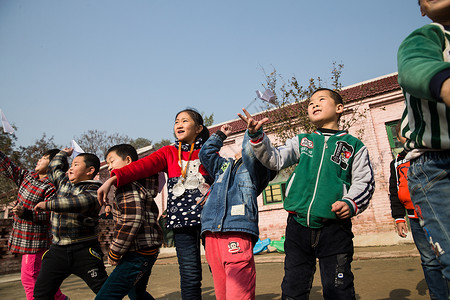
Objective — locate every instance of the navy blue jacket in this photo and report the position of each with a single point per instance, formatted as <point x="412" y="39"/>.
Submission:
<point x="232" y="202"/>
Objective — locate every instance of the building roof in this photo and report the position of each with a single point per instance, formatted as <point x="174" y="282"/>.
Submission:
<point x="358" y="91"/>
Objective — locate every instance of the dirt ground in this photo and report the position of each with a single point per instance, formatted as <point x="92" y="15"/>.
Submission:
<point x="398" y="278"/>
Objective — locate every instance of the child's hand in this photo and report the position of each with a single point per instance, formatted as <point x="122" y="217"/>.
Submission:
<point x="402" y="229"/>
<point x="226" y="129"/>
<point x="102" y="192"/>
<point x="18" y="210"/>
<point x="341" y="209"/>
<point x="112" y="262"/>
<point x="252" y="124"/>
<point x="69" y="151"/>
<point x="40" y="206"/>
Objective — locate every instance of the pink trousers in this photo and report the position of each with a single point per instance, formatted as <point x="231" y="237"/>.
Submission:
<point x="230" y="257"/>
<point x="31" y="264"/>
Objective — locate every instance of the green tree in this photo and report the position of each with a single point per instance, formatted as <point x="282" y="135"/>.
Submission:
<point x="208" y="120"/>
<point x="140" y="143"/>
<point x="162" y="143"/>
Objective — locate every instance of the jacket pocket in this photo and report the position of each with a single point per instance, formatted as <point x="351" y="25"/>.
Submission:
<point x="249" y="200"/>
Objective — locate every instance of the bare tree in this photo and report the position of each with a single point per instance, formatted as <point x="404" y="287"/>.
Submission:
<point x="289" y="115"/>
<point x="30" y="155"/>
<point x="98" y="141"/>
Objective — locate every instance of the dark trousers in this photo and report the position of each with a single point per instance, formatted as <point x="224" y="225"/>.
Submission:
<point x="84" y="260"/>
<point x="332" y="245"/>
<point x="130" y="277"/>
<point x="187" y="243"/>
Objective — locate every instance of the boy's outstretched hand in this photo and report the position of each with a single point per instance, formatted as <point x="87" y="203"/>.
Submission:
<point x="226" y="129"/>
<point x="341" y="209"/>
<point x="252" y="124"/>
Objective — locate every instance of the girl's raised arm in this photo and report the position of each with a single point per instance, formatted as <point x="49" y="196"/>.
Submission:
<point x="102" y="192"/>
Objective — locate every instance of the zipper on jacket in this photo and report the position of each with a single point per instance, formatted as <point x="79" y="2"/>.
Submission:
<point x="317" y="182"/>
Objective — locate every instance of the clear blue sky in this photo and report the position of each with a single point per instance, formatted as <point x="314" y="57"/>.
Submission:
<point x="127" y="67"/>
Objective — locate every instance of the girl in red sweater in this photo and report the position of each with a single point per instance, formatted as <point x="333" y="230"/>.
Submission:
<point x="187" y="182"/>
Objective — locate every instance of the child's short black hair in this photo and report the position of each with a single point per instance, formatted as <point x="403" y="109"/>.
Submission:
<point x="124" y="150"/>
<point x="198" y="120"/>
<point x="91" y="160"/>
<point x="335" y="95"/>
<point x="51" y="153"/>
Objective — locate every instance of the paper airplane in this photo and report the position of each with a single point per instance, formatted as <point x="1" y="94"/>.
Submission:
<point x="76" y="149"/>
<point x="7" y="128"/>
<point x="268" y="96"/>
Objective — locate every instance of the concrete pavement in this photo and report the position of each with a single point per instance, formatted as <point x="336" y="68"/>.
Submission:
<point x="388" y="272"/>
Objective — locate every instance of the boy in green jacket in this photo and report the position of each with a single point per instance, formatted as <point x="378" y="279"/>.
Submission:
<point x="332" y="182"/>
<point x="424" y="74"/>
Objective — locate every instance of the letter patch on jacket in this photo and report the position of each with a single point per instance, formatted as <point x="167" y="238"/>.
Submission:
<point x="307" y="147"/>
<point x="306" y="143"/>
<point x="342" y="154"/>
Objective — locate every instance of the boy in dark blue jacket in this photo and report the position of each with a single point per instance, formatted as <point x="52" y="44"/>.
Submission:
<point x="230" y="216"/>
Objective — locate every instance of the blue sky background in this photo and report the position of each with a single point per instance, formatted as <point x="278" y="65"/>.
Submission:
<point x="128" y="67"/>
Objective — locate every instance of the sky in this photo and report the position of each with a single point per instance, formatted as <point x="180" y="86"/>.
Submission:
<point x="128" y="67"/>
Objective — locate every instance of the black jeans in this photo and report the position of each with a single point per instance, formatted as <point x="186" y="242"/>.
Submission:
<point x="187" y="243"/>
<point x="332" y="245"/>
<point x="83" y="259"/>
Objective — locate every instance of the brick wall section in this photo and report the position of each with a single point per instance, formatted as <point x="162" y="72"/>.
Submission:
<point x="380" y="110"/>
<point x="9" y="262"/>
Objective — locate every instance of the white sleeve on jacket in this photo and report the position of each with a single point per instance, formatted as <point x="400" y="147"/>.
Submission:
<point x="363" y="182"/>
<point x="276" y="158"/>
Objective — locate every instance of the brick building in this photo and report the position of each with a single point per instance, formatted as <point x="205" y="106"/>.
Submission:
<point x="382" y="103"/>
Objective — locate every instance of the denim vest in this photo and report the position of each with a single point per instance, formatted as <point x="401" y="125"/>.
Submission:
<point x="232" y="202"/>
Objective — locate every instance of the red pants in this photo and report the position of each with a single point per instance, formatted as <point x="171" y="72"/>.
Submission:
<point x="31" y="265"/>
<point x="230" y="257"/>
